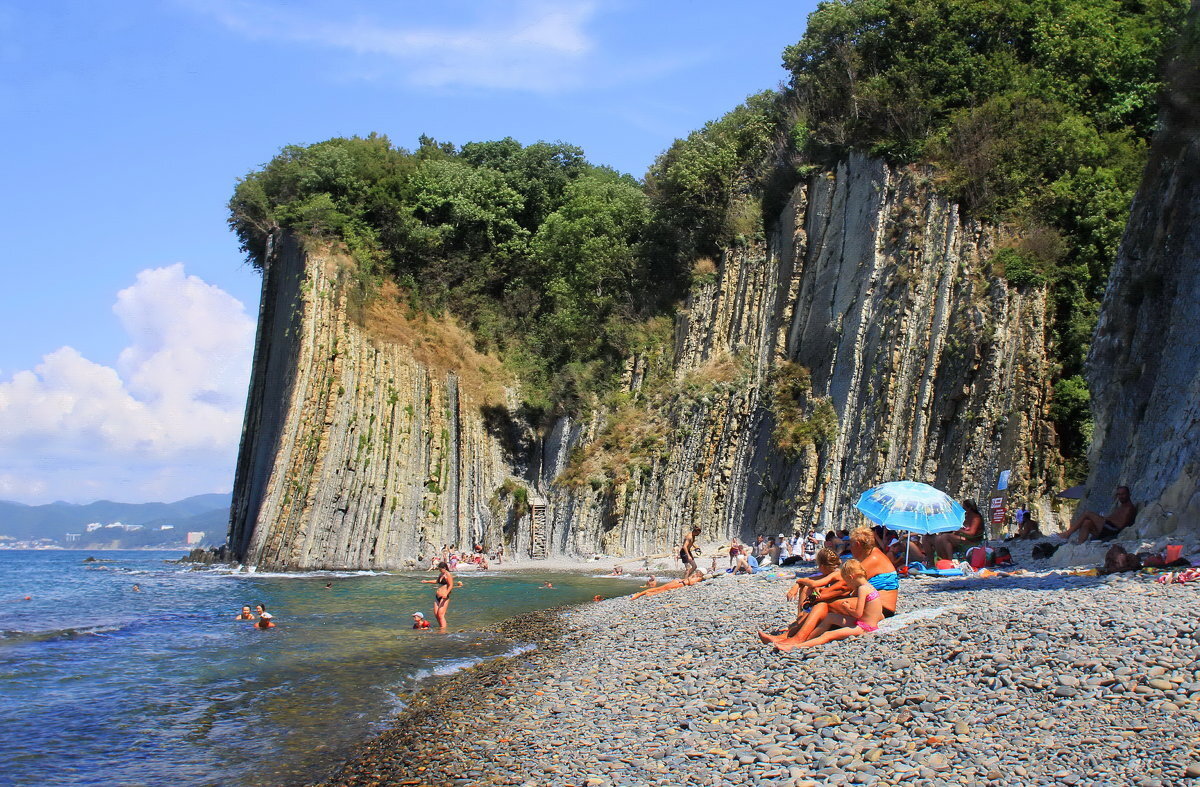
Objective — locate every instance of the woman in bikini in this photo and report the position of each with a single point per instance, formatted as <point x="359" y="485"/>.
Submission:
<point x="441" y="594"/>
<point x="865" y="614"/>
<point x="880" y="573"/>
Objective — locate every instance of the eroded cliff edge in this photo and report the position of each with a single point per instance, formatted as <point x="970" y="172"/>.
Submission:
<point x="364" y="449"/>
<point x="1144" y="366"/>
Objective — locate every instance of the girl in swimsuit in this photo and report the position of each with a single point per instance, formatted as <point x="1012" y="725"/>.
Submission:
<point x="867" y="610"/>
<point x="880" y="573"/>
<point x="441" y="594"/>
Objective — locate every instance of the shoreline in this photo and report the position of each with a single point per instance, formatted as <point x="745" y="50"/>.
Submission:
<point x="1037" y="678"/>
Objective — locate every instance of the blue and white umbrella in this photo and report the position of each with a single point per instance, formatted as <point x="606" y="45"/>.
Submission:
<point x="911" y="506"/>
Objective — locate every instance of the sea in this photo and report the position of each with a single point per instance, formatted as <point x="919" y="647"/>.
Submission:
<point x="105" y="683"/>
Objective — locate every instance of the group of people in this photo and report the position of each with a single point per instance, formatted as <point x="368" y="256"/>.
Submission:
<point x="476" y="557"/>
<point x="857" y="584"/>
<point x="260" y="617"/>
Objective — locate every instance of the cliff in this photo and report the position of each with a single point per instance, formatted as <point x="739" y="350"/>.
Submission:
<point x="872" y="295"/>
<point x="1144" y="365"/>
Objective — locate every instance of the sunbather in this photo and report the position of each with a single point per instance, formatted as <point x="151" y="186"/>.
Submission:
<point x="880" y="573"/>
<point x="694" y="579"/>
<point x="862" y="617"/>
<point x="807" y="590"/>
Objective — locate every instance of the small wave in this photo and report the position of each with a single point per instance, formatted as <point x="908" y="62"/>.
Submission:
<point x="634" y="577"/>
<point x="236" y="574"/>
<point x="48" y="635"/>
<point x="458" y="665"/>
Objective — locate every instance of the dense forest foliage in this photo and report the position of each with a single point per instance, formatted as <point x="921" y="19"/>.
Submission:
<point x="537" y="250"/>
<point x="1033" y="113"/>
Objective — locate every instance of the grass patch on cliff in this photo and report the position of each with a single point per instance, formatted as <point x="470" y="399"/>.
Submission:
<point x="801" y="419"/>
<point x="440" y="344"/>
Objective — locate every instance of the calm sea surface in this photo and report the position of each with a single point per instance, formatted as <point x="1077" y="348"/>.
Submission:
<point x="101" y="684"/>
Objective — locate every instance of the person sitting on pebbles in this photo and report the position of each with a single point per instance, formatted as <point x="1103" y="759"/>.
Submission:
<point x="1090" y="525"/>
<point x="809" y="590"/>
<point x="862" y="616"/>
<point x="880" y="573"/>
<point x="694" y="579"/>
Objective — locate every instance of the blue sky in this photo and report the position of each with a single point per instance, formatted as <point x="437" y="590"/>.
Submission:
<point x="128" y="312"/>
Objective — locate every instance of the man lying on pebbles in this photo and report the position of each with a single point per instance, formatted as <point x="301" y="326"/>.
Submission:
<point x="694" y="579"/>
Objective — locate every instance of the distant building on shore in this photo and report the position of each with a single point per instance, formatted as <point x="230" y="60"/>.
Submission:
<point x="194" y="537"/>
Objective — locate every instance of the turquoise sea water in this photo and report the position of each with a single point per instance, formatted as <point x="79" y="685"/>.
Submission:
<point x="102" y="684"/>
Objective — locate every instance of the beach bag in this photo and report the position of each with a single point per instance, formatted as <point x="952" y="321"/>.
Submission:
<point x="980" y="557"/>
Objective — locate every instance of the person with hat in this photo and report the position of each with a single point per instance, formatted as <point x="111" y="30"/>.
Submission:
<point x="264" y="621"/>
<point x="419" y="621"/>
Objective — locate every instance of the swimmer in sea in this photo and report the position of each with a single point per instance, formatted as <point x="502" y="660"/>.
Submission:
<point x="651" y="582"/>
<point x="137" y="589"/>
<point x="441" y="594"/>
<point x="259" y="609"/>
<point x="329" y="586"/>
<point x="547" y="586"/>
<point x="419" y="621"/>
<point x="264" y="621"/>
<point x="245" y="614"/>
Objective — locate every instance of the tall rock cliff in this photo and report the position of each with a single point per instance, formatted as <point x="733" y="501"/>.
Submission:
<point x="871" y="303"/>
<point x="1144" y="365"/>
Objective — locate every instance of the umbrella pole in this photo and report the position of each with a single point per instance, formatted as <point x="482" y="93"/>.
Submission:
<point x="907" y="546"/>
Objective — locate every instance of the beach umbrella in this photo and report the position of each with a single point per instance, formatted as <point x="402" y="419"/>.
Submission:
<point x="911" y="506"/>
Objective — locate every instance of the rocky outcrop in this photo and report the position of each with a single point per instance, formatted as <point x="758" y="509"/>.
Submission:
<point x="355" y="452"/>
<point x="364" y="449"/>
<point x="1144" y="365"/>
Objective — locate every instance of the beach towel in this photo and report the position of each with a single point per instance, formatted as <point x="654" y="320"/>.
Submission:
<point x="1179" y="577"/>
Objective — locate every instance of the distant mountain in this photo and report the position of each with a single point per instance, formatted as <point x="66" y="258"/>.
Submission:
<point x="201" y="512"/>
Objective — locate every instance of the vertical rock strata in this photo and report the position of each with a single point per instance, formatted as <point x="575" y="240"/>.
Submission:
<point x="1144" y="366"/>
<point x="356" y="454"/>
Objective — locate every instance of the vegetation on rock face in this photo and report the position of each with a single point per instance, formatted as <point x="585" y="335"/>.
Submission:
<point x="801" y="420"/>
<point x="1036" y="113"/>
<point x="1033" y="113"/>
<point x="538" y="251"/>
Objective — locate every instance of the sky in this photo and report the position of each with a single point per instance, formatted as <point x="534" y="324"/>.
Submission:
<point x="128" y="312"/>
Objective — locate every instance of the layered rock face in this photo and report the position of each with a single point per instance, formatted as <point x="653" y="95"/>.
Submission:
<point x="355" y="454"/>
<point x="1144" y="366"/>
<point x="359" y="453"/>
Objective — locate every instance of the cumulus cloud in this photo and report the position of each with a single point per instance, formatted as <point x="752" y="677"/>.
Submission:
<point x="163" y="424"/>
<point x="524" y="45"/>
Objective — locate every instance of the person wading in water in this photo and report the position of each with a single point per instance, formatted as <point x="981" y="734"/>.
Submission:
<point x="441" y="594"/>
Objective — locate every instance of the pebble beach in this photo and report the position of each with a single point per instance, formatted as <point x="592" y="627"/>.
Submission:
<point x="1042" y="678"/>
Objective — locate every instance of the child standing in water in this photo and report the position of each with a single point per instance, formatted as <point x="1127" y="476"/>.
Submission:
<point x="868" y="610"/>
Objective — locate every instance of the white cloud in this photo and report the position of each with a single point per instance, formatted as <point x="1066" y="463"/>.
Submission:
<point x="163" y="424"/>
<point x="526" y="45"/>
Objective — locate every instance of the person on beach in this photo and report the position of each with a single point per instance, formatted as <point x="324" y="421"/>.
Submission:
<point x="1104" y="528"/>
<point x="245" y="614"/>
<point x="861" y="617"/>
<point x="441" y="593"/>
<point x="419" y="621"/>
<point x="807" y="591"/>
<point x="264" y="621"/>
<point x="879" y="572"/>
<point x="686" y="551"/>
<point x="969" y="535"/>
<point x="735" y="550"/>
<point x="694" y="579"/>
<point x="651" y="582"/>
